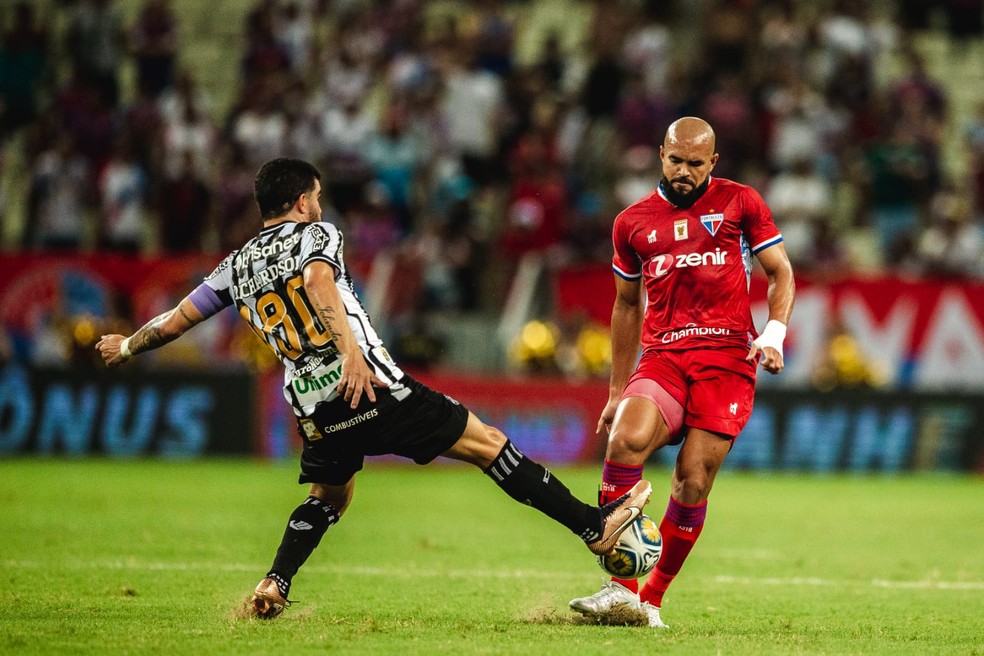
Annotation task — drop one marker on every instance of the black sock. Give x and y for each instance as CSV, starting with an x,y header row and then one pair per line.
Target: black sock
x,y
529,483
306,526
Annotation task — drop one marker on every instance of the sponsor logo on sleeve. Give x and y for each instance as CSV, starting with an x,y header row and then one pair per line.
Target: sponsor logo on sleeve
x,y
320,238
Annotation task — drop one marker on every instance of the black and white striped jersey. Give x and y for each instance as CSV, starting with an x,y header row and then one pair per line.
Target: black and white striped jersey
x,y
264,279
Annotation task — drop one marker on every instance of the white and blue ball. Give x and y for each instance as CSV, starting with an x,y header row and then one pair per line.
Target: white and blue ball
x,y
637,552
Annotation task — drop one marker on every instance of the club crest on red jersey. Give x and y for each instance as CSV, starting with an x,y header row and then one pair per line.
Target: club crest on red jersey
x,y
712,222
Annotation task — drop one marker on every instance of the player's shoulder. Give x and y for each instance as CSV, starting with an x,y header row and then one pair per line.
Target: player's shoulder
x,y
733,188
222,266
320,234
643,206
319,226
728,185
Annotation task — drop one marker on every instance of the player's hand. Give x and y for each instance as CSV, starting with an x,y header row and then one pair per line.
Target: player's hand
x,y
109,348
771,358
768,346
357,379
607,417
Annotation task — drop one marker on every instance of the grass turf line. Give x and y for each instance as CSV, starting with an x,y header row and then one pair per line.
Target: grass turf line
x,y
156,557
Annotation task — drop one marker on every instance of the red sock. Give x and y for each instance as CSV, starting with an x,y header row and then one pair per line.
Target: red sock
x,y
680,528
616,480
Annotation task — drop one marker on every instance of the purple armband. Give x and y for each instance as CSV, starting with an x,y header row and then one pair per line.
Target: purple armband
x,y
206,300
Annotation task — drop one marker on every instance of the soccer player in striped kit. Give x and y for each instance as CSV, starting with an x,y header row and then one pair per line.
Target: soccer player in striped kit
x,y
350,399
688,248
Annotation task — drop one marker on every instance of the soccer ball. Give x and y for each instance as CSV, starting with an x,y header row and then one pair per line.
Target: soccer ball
x,y
637,551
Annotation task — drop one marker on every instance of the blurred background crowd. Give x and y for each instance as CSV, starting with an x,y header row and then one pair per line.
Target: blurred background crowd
x,y
463,136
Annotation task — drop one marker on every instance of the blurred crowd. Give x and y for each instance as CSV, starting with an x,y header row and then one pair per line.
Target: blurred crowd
x,y
439,142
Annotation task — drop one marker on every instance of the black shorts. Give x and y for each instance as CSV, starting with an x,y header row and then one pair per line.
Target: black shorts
x,y
408,419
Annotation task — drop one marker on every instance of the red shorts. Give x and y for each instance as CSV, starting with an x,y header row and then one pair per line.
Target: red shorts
x,y
712,389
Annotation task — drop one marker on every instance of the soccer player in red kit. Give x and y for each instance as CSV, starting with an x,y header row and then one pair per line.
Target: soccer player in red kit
x,y
690,243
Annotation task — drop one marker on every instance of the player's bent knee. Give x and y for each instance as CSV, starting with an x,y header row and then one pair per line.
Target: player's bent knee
x,y
630,446
486,445
479,445
495,438
337,496
691,489
692,484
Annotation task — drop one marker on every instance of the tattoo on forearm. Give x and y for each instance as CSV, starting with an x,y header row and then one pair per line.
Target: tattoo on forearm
x,y
149,336
328,320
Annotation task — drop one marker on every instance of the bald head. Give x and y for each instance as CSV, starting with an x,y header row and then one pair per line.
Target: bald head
x,y
690,130
688,156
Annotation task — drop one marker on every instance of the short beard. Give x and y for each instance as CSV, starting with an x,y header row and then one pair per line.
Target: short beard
x,y
683,201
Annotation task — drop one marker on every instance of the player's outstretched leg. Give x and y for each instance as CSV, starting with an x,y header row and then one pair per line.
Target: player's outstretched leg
x,y
529,482
305,528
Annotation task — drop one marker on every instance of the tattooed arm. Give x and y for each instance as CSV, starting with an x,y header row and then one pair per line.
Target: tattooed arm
x,y
160,330
356,378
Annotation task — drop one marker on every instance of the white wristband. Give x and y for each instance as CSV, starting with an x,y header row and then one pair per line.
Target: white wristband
x,y
772,336
125,349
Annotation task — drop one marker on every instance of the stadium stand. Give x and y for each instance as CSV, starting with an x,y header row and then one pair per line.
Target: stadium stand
x,y
461,139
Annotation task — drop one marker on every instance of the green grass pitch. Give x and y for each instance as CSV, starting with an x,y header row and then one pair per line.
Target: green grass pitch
x,y
150,557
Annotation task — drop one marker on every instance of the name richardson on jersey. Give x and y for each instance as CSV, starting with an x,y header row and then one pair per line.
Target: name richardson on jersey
x,y
280,269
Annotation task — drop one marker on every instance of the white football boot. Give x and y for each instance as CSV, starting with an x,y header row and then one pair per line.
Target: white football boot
x,y
611,594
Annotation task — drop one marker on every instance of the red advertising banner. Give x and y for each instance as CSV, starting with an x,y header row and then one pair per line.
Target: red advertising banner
x,y
42,293
921,334
34,284
917,334
550,419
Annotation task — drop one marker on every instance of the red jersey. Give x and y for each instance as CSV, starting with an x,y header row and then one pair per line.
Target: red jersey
x,y
695,263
